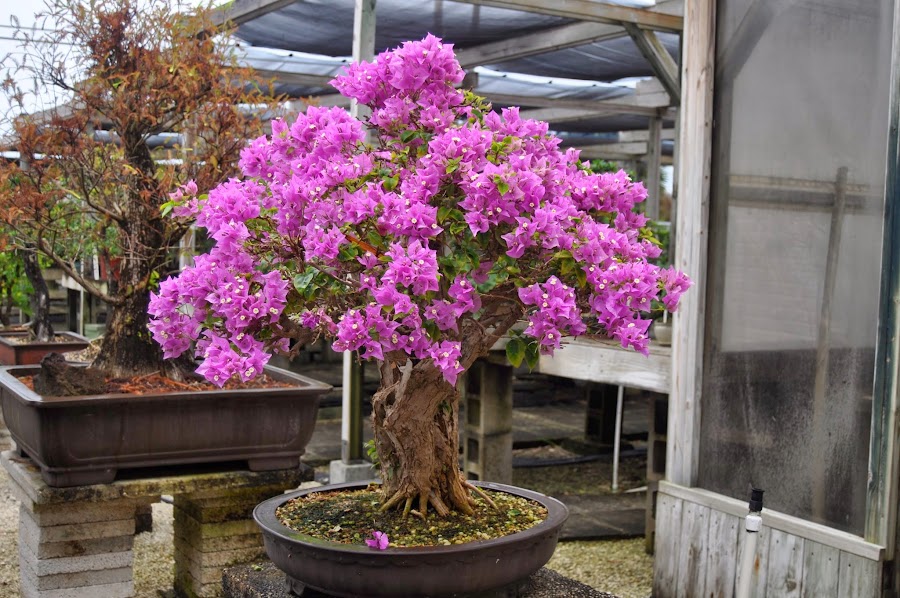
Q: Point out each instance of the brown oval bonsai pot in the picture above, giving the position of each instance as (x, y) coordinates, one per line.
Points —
(15, 352)
(357, 571)
(86, 440)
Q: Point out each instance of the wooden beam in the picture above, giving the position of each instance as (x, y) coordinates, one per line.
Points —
(635, 149)
(656, 54)
(558, 38)
(644, 135)
(691, 239)
(619, 106)
(305, 79)
(564, 115)
(590, 10)
(239, 12)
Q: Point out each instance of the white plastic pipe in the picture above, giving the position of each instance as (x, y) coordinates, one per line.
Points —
(753, 523)
(617, 438)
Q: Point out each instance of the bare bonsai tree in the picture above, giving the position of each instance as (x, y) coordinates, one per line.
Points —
(152, 98)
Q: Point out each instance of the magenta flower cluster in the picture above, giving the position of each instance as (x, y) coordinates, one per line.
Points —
(386, 245)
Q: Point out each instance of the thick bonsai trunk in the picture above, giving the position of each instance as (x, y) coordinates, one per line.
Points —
(127, 349)
(414, 418)
(41, 329)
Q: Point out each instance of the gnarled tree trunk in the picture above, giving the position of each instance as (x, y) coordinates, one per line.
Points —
(414, 417)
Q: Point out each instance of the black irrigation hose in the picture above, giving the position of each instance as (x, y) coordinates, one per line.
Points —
(527, 463)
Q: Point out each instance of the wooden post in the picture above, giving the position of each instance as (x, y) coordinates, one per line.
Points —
(692, 220)
(654, 163)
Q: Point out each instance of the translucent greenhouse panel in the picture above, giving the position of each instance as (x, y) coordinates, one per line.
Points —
(796, 231)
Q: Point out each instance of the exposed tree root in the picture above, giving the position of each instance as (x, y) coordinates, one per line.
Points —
(439, 506)
(482, 494)
(418, 514)
(392, 501)
(407, 507)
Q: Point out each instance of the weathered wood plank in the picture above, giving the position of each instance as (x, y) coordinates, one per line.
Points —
(692, 553)
(785, 565)
(607, 362)
(859, 577)
(668, 536)
(588, 10)
(820, 571)
(722, 554)
(691, 238)
(760, 564)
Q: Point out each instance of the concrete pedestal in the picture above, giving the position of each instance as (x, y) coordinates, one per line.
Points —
(340, 472)
(77, 542)
(487, 433)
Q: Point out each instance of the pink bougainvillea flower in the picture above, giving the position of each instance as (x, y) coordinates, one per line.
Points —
(378, 540)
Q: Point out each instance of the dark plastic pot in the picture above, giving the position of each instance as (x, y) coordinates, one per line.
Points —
(357, 571)
(87, 440)
(19, 353)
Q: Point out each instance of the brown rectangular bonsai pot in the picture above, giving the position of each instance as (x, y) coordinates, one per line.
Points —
(87, 440)
(15, 352)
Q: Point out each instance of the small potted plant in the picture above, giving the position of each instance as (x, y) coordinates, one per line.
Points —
(417, 238)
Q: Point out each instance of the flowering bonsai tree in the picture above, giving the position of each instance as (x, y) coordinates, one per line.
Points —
(419, 248)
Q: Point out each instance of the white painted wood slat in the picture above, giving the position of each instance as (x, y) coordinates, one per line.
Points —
(692, 551)
(785, 565)
(722, 554)
(859, 578)
(668, 533)
(820, 571)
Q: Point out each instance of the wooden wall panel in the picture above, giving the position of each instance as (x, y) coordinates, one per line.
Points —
(785, 565)
(692, 553)
(820, 570)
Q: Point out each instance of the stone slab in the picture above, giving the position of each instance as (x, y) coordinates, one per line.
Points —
(53, 550)
(223, 510)
(189, 587)
(266, 581)
(30, 579)
(340, 472)
(220, 558)
(46, 515)
(77, 564)
(187, 481)
(75, 531)
(113, 590)
(223, 543)
(195, 532)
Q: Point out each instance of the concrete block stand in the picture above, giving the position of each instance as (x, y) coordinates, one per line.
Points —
(77, 542)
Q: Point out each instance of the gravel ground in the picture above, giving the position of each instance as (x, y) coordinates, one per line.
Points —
(619, 567)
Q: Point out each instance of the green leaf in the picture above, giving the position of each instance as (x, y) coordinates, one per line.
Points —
(375, 239)
(390, 183)
(532, 354)
(515, 351)
(409, 135)
(502, 187)
(301, 281)
(443, 212)
(166, 208)
(452, 165)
